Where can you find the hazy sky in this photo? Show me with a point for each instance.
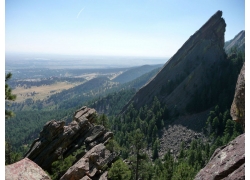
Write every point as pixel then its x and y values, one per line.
pixel 149 28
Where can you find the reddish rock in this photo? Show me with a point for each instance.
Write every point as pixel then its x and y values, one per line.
pixel 227 162
pixel 25 169
pixel 238 105
pixel 57 140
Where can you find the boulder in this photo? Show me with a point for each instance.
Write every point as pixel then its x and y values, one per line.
pixel 91 164
pixel 25 169
pixel 227 162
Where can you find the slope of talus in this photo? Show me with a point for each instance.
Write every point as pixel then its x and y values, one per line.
pixel 185 69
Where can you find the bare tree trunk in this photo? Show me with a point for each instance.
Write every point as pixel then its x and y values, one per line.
pixel 137 165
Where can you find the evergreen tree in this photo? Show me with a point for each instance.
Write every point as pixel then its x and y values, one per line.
pixel 156 149
pixel 8 96
pixel 119 171
pixel 103 120
pixel 137 141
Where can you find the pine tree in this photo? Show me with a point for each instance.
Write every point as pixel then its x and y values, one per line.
pixel 119 171
pixel 8 96
pixel 137 141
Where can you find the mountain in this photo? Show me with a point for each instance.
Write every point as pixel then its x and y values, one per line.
pixel 134 73
pixel 237 42
pixel 191 93
pixel 186 71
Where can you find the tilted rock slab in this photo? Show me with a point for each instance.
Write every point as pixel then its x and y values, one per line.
pixel 91 164
pixel 57 140
pixel 238 105
pixel 186 67
pixel 227 162
pixel 25 169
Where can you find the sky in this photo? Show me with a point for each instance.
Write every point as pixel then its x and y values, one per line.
pixel 148 28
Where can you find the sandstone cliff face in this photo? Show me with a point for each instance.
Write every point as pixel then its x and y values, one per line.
pixel 227 162
pixel 238 105
pixel 56 140
pixel 25 169
pixel 186 68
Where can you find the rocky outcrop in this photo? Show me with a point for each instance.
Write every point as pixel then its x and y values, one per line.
pixel 57 140
pixel 25 169
pixel 91 164
pixel 227 162
pixel 185 70
pixel 238 105
pixel 237 42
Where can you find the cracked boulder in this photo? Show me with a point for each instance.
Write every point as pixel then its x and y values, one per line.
pixel 227 162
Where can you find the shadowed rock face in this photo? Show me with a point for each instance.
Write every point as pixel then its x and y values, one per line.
pixel 238 105
pixel 25 169
pixel 227 162
pixel 56 139
pixel 186 68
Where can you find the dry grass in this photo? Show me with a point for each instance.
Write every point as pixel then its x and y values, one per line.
pixel 41 92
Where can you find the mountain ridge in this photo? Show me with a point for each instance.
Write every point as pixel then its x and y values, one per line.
pixel 237 42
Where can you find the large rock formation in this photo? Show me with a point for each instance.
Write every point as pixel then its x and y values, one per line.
pixel 238 106
pixel 57 140
pixel 227 162
pixel 237 42
pixel 185 70
pixel 91 164
pixel 25 169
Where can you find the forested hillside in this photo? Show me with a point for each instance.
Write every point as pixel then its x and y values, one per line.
pixel 150 122
pixel 106 96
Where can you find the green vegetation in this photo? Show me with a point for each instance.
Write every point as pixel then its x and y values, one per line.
pixel 119 171
pixel 8 96
pixel 137 131
pixel 220 128
pixel 60 166
pixel 148 119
